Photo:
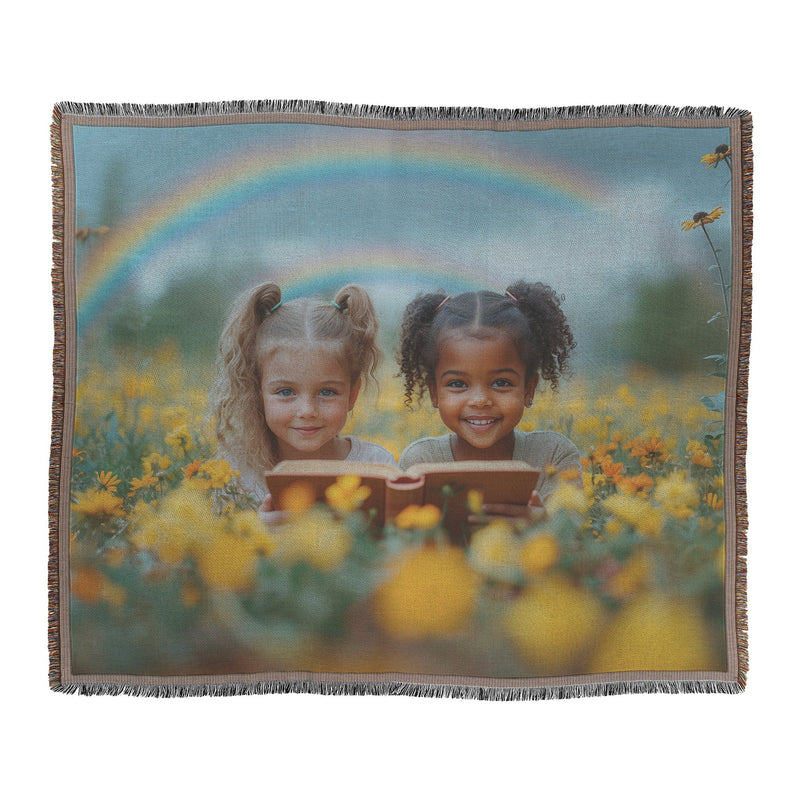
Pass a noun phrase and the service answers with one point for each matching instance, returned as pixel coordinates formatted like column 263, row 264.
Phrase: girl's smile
column 481, row 391
column 307, row 394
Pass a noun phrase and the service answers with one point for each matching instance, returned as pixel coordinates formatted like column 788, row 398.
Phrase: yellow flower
column 495, row 550
column 180, row 439
column 418, row 517
column 719, row 562
column 98, row 504
column 155, row 463
column 314, row 538
column 568, row 497
column 432, row 592
column 656, row 633
column 539, row 554
column 636, row 512
column 721, row 153
column 214, row 474
column 183, row 521
column 553, row 624
column 137, row 386
column 713, row 501
column 698, row 453
column 677, row 495
column 573, row 475
column 174, row 417
column 145, row 482
column 347, row 494
column 226, row 562
column 107, row 481
column 475, row 501
column 702, row 459
column 702, row 218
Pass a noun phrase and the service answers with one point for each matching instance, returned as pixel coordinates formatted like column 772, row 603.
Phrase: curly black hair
column 530, row 313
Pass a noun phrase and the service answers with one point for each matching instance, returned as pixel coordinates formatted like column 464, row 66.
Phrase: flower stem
column 721, row 276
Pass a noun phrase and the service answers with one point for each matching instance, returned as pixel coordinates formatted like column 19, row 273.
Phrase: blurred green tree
column 668, row 326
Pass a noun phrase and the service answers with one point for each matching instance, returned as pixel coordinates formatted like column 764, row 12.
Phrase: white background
column 410, row 53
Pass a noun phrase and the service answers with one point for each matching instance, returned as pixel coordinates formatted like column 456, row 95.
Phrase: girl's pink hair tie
column 442, row 303
column 512, row 297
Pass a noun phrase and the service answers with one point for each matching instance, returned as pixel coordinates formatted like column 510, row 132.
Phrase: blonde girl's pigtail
column 416, row 357
column 237, row 404
column 355, row 304
column 552, row 338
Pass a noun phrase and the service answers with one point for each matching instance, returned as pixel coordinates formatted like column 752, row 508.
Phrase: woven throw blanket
column 430, row 401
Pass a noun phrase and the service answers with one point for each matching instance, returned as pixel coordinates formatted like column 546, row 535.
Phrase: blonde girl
column 287, row 375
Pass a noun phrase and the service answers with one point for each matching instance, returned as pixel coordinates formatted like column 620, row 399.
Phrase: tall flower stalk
column 700, row 220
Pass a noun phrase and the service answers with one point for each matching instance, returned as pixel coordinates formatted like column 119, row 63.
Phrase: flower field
column 173, row 572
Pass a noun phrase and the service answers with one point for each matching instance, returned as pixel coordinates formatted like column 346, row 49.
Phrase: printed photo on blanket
column 383, row 297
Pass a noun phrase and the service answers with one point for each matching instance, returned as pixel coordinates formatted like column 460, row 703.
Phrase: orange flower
column 635, row 484
column 611, row 469
column 298, row 497
column 595, row 456
column 191, row 469
column 649, row 452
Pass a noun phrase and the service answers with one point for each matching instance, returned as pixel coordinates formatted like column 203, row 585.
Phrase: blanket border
column 605, row 685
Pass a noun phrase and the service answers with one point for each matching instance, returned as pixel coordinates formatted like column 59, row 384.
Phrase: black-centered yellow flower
column 702, row 218
column 722, row 153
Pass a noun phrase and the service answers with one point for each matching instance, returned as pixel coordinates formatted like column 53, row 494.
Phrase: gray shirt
column 540, row 449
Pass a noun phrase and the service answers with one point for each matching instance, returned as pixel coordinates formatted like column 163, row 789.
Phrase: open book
column 392, row 489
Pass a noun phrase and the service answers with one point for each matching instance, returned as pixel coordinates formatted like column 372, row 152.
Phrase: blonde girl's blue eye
column 328, row 392
column 284, row 393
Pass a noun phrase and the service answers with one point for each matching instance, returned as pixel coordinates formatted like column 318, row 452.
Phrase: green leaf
column 715, row 402
column 722, row 364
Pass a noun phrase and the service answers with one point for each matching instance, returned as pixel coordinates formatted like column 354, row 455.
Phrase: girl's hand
column 533, row 511
column 269, row 515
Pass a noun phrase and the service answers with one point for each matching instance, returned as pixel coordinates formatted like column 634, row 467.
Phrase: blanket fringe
column 392, row 112
column 59, row 377
column 407, row 689
column 740, row 444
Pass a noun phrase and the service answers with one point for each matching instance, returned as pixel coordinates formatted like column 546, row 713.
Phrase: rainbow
column 253, row 175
